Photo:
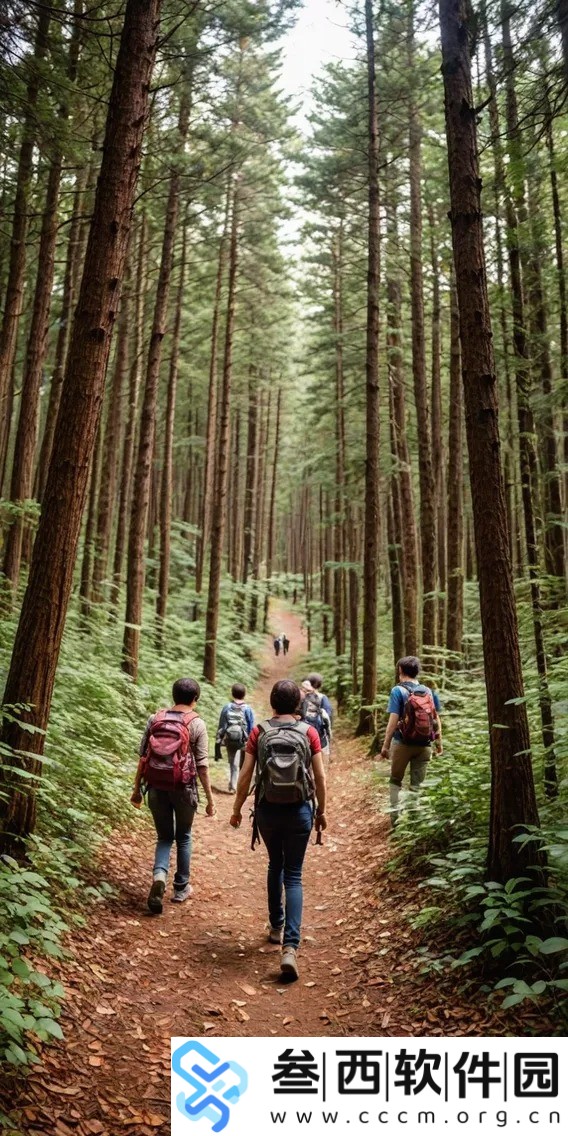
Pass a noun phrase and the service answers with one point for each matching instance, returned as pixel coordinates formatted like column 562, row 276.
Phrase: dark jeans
column 173, row 815
column 285, row 830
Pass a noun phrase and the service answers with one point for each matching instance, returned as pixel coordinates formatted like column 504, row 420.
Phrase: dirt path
column 206, row 968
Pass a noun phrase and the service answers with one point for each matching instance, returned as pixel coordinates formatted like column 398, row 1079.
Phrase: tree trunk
column 211, row 436
column 135, row 379
column 272, row 509
column 437, row 431
column 354, row 556
column 454, row 607
column 42, row 618
column 339, row 606
column 259, row 523
column 527, row 438
column 513, row 801
column 85, row 586
column 251, row 475
column 562, row 17
column 372, row 433
column 427, row 486
column 561, row 274
column 110, row 451
column 65, row 321
column 219, row 511
column 21, row 484
column 167, row 471
column 136, row 572
column 17, row 269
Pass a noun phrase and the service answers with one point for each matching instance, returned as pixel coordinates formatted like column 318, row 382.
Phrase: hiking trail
column 205, row 967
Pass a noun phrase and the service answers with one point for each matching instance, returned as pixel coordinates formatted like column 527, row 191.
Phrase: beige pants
column 403, row 755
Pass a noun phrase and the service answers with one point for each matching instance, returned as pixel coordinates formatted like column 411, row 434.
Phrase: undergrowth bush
column 97, row 719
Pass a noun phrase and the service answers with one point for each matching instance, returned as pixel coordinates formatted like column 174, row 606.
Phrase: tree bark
column 454, row 607
column 38, row 638
column 167, row 471
column 513, row 801
column 438, row 457
column 135, row 378
column 272, row 509
column 339, row 612
column 211, row 436
column 136, row 572
column 372, row 432
column 427, row 486
column 17, row 268
column 219, row 511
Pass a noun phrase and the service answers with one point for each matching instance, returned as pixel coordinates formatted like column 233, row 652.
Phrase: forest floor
column 133, row 981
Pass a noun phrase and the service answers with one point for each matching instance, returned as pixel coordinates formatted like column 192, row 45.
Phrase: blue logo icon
column 214, row 1089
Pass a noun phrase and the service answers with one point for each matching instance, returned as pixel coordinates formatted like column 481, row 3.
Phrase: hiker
column 173, row 754
column 289, row 793
column 235, row 724
column 414, row 723
column 285, row 644
column 312, row 711
column 277, row 646
column 316, row 681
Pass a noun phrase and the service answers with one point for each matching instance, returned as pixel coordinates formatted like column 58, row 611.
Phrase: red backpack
column 168, row 761
column 418, row 722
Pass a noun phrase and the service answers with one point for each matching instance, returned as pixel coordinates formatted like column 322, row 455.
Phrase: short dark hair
column 285, row 696
column 410, row 666
column 316, row 680
column 185, row 691
column 238, row 690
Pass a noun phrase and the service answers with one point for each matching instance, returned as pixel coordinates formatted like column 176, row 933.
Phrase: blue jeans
column 285, row 830
column 173, row 815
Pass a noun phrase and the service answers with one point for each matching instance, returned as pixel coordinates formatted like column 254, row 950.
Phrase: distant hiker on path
column 235, row 724
column 289, row 792
column 316, row 681
column 277, row 646
column 173, row 754
column 285, row 644
column 414, row 723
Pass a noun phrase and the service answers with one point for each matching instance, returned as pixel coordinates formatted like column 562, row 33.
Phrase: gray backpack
column 235, row 734
column 284, row 764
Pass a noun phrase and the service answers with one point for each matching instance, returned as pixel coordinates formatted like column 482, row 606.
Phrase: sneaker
column 181, row 894
column 275, row 935
column 289, row 963
column 156, row 896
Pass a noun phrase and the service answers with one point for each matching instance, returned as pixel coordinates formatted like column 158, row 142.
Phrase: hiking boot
column 289, row 963
column 181, row 894
column 275, row 935
column 156, row 896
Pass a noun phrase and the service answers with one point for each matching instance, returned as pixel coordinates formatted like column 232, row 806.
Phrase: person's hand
column 321, row 822
column 210, row 810
column 235, row 820
column 136, row 799
column 385, row 754
column 439, row 749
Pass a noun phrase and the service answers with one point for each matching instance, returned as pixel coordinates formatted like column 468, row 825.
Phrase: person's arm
column 136, row 798
column 200, row 747
column 438, row 734
column 249, row 715
column 392, row 724
column 319, row 778
column 222, row 724
column 243, row 786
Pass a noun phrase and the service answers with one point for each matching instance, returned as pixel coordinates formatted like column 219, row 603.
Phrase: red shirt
column 312, row 736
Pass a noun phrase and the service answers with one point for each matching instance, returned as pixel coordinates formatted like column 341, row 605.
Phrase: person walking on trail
column 235, row 724
column 173, row 754
column 316, row 681
column 285, row 644
column 314, row 713
column 413, row 724
column 289, row 795
column 277, row 646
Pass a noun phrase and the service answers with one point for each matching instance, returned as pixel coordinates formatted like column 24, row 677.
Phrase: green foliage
column 97, row 719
